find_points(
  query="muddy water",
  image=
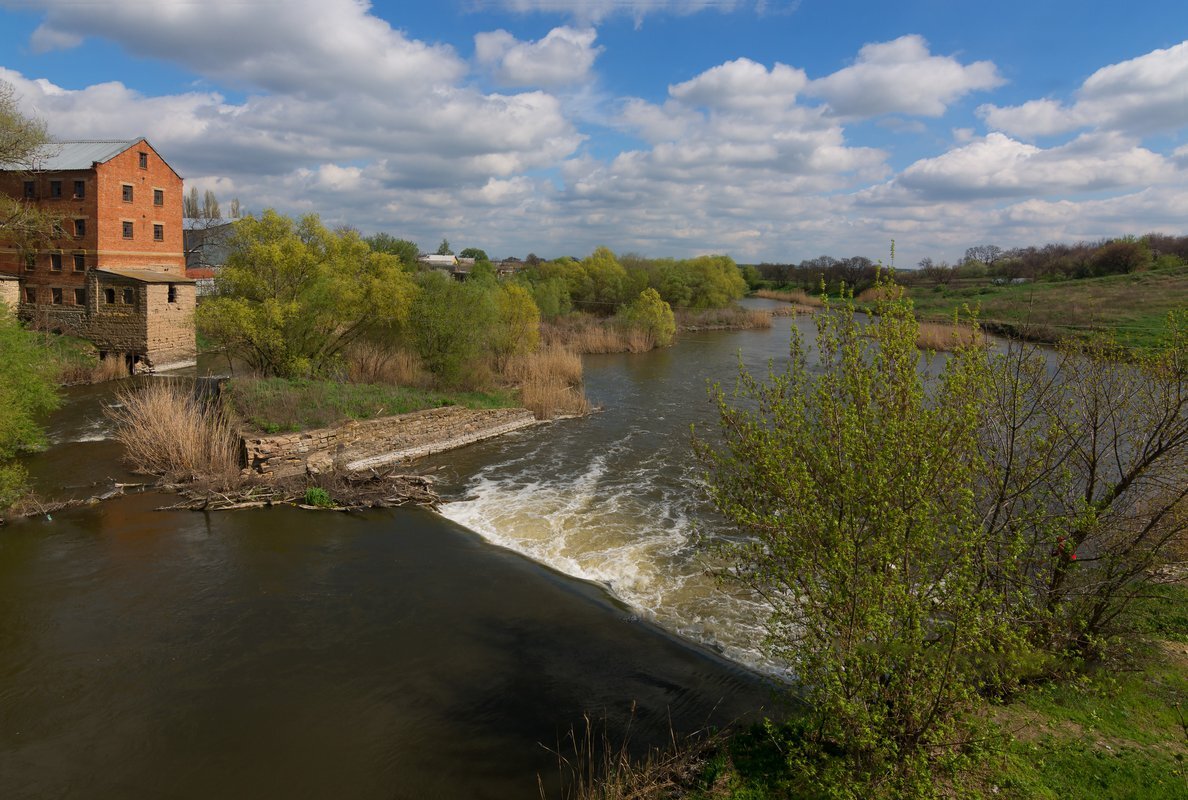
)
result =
(390, 654)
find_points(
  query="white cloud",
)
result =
(902, 77)
(742, 85)
(307, 47)
(998, 166)
(597, 10)
(1147, 94)
(565, 56)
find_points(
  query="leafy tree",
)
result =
(26, 393)
(751, 275)
(650, 313)
(606, 284)
(450, 323)
(403, 249)
(517, 329)
(293, 294)
(443, 249)
(475, 253)
(551, 296)
(852, 482)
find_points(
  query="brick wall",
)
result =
(378, 443)
(141, 251)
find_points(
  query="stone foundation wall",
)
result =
(378, 443)
(10, 294)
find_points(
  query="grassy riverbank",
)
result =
(1116, 734)
(1133, 306)
(273, 405)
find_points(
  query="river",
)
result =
(388, 654)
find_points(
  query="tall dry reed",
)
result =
(729, 318)
(368, 362)
(550, 382)
(942, 337)
(591, 767)
(166, 432)
(796, 296)
(587, 334)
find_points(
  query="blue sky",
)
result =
(771, 130)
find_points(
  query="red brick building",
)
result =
(114, 272)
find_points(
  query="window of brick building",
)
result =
(56, 262)
(109, 296)
(80, 228)
(143, 160)
(127, 189)
(128, 230)
(158, 197)
(158, 233)
(30, 262)
(30, 294)
(172, 293)
(30, 190)
(80, 190)
(80, 262)
(56, 190)
(80, 297)
(129, 296)
(56, 294)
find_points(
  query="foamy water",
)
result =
(628, 517)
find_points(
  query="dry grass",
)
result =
(729, 318)
(590, 767)
(166, 432)
(940, 337)
(885, 293)
(797, 297)
(550, 382)
(586, 334)
(368, 362)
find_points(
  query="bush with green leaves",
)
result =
(319, 497)
(27, 393)
(450, 324)
(651, 314)
(294, 295)
(926, 542)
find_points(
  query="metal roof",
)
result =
(145, 275)
(80, 154)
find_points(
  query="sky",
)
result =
(769, 130)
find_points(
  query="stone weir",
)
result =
(362, 445)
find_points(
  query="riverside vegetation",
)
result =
(970, 574)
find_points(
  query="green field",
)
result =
(1133, 307)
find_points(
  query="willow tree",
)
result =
(293, 295)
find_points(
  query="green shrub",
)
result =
(316, 496)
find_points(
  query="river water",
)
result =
(387, 654)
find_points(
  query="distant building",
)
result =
(207, 245)
(437, 262)
(114, 272)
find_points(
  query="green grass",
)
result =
(1133, 307)
(273, 405)
(1103, 736)
(1108, 734)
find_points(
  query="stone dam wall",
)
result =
(377, 443)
